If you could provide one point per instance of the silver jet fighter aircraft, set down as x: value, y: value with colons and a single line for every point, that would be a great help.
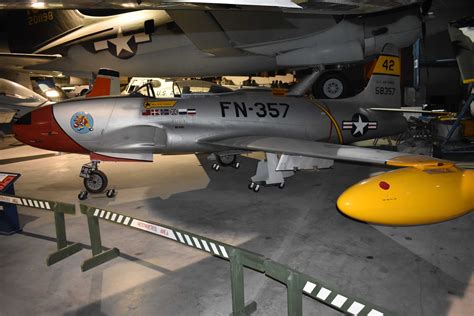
x: 294, y: 132
x: 133, y: 128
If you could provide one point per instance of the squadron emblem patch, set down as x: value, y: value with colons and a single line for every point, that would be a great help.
x: 359, y: 125
x: 82, y: 122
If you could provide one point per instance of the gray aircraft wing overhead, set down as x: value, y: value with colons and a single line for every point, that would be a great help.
x: 19, y: 60
x: 307, y: 148
x: 315, y: 6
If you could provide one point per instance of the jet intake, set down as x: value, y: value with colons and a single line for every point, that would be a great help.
x: 410, y: 196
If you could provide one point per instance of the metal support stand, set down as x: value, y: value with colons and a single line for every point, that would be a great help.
x: 237, y: 283
x: 296, y: 283
x: 59, y: 209
x: 98, y: 255
x: 64, y: 250
x: 294, y: 295
x: 266, y: 171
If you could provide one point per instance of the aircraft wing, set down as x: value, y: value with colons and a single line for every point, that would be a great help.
x: 19, y: 60
x: 308, y: 148
x: 320, y: 6
x: 402, y: 110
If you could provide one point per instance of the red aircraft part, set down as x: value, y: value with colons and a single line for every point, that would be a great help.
x: 40, y: 129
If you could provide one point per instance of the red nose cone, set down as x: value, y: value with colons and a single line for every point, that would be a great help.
x: 39, y: 129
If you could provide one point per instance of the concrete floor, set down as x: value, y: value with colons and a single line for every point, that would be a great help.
x: 425, y: 270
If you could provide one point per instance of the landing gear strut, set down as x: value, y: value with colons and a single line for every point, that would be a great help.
x: 268, y: 175
x: 95, y: 181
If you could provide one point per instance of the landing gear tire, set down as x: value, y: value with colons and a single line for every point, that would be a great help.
x: 83, y: 195
x: 281, y: 185
x: 227, y: 160
x: 110, y: 193
x: 256, y: 188
x: 96, y: 183
x: 216, y: 166
x: 331, y: 85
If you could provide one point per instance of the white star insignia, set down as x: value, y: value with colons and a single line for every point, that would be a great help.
x: 359, y: 125
x: 121, y: 42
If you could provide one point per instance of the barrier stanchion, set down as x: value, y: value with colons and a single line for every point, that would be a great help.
x: 296, y: 282
x: 99, y: 256
x: 59, y: 209
x: 237, y: 285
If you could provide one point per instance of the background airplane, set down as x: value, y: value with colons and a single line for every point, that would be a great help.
x: 17, y: 100
x: 200, y: 42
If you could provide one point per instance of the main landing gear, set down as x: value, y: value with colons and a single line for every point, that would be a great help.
x: 225, y: 161
x: 95, y: 181
x: 267, y: 174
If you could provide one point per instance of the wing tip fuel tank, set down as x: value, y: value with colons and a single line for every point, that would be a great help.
x: 410, y: 196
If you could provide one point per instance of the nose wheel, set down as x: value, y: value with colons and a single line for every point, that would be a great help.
x: 95, y: 181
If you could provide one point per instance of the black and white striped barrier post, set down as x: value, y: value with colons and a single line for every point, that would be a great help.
x: 297, y: 283
x: 59, y: 209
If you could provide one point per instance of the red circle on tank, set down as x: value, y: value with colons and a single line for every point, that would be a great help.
x: 384, y: 185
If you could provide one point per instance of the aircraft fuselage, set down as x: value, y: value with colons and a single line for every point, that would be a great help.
x: 137, y: 127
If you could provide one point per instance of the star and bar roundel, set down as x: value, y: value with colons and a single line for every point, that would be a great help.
x: 359, y: 125
x: 122, y: 46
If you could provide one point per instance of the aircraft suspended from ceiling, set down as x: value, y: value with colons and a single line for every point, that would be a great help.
x: 203, y: 38
x: 322, y: 6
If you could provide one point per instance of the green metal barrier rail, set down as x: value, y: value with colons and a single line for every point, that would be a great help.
x: 59, y: 209
x: 297, y: 283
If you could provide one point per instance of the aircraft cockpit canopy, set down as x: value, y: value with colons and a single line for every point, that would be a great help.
x: 180, y: 88
x: 201, y: 87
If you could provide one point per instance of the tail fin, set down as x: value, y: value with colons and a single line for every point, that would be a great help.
x: 106, y: 83
x: 383, y: 88
x: 29, y: 30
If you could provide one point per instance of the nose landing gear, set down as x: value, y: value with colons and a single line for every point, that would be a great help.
x: 95, y: 181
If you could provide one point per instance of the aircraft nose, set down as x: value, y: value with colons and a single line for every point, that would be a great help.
x: 33, y: 127
x: 39, y: 128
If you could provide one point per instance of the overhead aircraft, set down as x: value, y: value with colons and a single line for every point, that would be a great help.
x: 295, y: 133
x: 17, y: 100
x: 202, y: 41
